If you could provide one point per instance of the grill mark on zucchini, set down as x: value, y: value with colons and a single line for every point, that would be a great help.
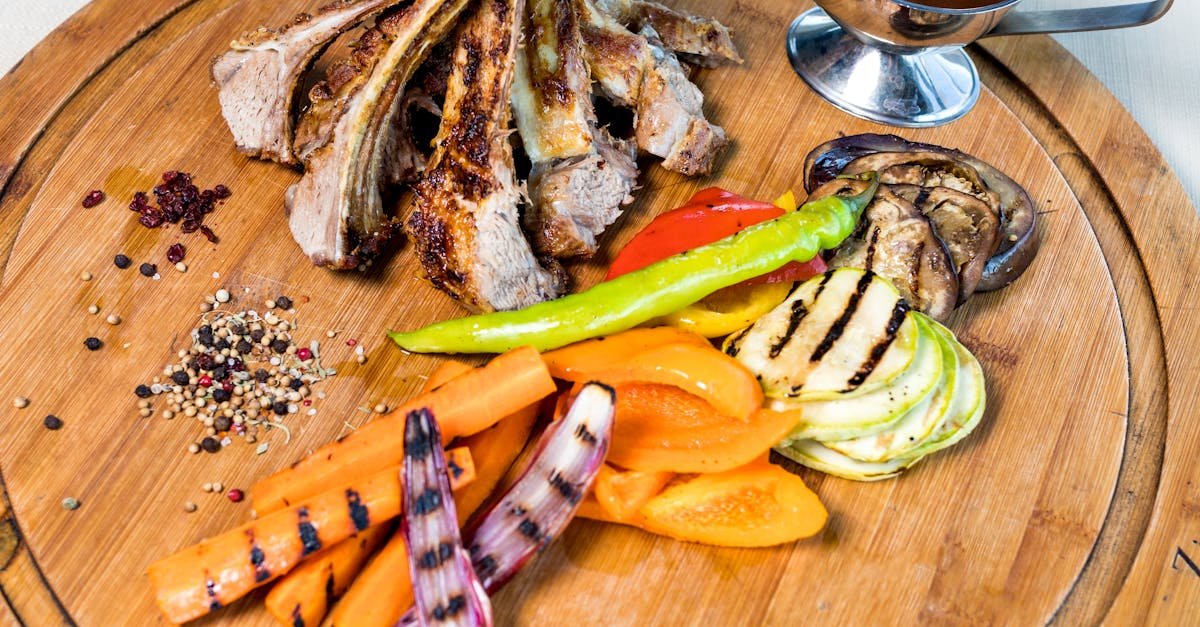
x: 821, y: 285
x: 839, y: 325
x: 893, y: 327
x: 734, y: 346
x: 799, y: 311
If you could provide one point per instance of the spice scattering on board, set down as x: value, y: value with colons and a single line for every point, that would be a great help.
x: 93, y: 198
x: 179, y: 201
x: 242, y: 375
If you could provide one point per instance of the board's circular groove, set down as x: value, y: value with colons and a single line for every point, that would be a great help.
x: 1047, y: 119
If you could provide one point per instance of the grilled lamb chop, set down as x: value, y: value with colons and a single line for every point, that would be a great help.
x: 465, y: 227
x: 336, y: 210
x: 403, y: 160
x: 257, y: 78
x: 670, y: 116
x: 580, y: 176
x: 695, y: 39
x: 637, y: 71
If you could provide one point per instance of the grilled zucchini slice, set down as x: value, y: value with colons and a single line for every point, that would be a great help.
x: 845, y: 333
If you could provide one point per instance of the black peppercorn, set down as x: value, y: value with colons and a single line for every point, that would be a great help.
x: 244, y: 347
x: 93, y: 343
x: 296, y: 383
x: 148, y: 269
x: 279, y: 346
x: 283, y: 302
x: 122, y: 262
x: 220, y: 373
x: 280, y: 408
x: 180, y: 377
x: 220, y: 395
x: 210, y: 444
x: 261, y: 375
x: 204, y: 335
x: 52, y: 422
x: 257, y: 335
x: 221, y: 344
x: 142, y: 391
x: 222, y: 424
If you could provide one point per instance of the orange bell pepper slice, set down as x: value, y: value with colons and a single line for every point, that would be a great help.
x: 701, y: 370
x: 661, y: 428
x: 623, y: 492
x: 756, y: 505
x: 608, y: 352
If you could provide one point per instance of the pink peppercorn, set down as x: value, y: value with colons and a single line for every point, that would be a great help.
x: 235, y: 495
x: 351, y: 342
x: 227, y: 386
x: 205, y: 380
x: 308, y: 402
x: 304, y: 354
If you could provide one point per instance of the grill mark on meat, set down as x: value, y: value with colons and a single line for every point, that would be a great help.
x: 697, y: 39
x: 336, y: 210
x: 465, y: 225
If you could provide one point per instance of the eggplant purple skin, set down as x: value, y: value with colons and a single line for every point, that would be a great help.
x: 1018, y: 237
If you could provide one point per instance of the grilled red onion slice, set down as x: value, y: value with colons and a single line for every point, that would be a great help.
x: 544, y: 499
x: 446, y: 588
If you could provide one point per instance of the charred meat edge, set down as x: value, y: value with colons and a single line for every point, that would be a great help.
x: 335, y: 211
x: 465, y: 227
x: 1018, y: 242
x: 258, y: 77
x: 580, y: 175
x: 694, y: 38
x: 897, y: 242
x: 969, y: 228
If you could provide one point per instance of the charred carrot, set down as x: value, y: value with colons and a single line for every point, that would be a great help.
x: 464, y: 405
x: 302, y: 597
x: 222, y: 569
x: 381, y: 593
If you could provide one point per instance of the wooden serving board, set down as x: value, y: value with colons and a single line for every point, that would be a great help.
x: 1078, y: 499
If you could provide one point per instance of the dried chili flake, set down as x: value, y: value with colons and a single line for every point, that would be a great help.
x: 93, y: 198
x: 176, y: 253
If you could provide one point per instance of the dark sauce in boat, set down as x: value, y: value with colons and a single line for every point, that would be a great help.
x: 958, y: 4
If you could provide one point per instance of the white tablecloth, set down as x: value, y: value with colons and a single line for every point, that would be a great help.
x: 1153, y: 70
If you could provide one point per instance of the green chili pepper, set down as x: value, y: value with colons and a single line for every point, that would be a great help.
x: 656, y: 290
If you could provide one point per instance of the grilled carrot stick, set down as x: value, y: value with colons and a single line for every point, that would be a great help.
x: 303, y: 596
x: 222, y: 569
x: 381, y: 593
x: 464, y: 405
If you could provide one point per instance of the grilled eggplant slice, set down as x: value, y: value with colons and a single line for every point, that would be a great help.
x: 841, y: 334
x: 968, y: 227
x: 897, y: 242
x: 1018, y: 240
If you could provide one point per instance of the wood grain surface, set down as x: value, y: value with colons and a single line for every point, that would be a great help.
x: 1077, y: 499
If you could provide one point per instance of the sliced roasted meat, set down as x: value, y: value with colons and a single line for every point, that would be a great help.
x: 572, y: 200
x: 403, y: 159
x: 336, y: 210
x: 258, y: 77
x: 638, y: 72
x: 670, y: 116
x: 465, y: 226
x: 696, y: 39
x: 897, y: 242
x: 580, y: 176
x: 617, y: 58
x: 1018, y: 242
x: 968, y: 227
x: 552, y: 92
